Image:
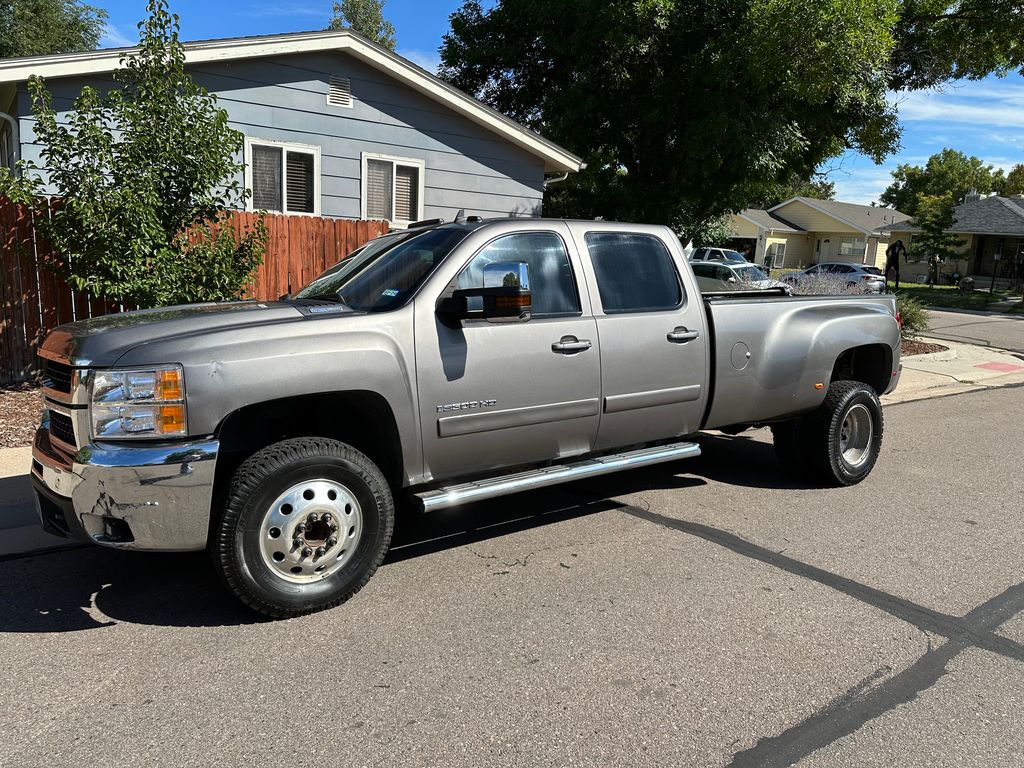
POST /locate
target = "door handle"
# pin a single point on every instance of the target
(681, 335)
(569, 344)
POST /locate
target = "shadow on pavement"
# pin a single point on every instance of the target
(88, 588)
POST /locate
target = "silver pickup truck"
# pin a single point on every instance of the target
(443, 364)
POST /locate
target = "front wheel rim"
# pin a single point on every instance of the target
(855, 436)
(311, 531)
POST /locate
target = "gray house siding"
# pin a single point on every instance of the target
(284, 98)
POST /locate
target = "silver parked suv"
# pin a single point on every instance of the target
(867, 278)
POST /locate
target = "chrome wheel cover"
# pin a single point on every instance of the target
(310, 531)
(855, 436)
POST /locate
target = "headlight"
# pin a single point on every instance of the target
(142, 403)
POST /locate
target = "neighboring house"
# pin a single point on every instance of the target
(803, 231)
(991, 230)
(334, 125)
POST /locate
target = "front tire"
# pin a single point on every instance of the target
(306, 524)
(842, 439)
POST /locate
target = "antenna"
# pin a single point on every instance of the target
(460, 216)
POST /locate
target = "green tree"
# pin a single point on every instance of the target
(145, 175)
(948, 172)
(677, 118)
(942, 40)
(39, 27)
(365, 17)
(815, 186)
(935, 216)
(1014, 180)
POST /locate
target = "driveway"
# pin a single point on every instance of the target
(704, 613)
(987, 330)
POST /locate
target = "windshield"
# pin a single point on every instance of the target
(383, 278)
(872, 270)
(751, 274)
(733, 255)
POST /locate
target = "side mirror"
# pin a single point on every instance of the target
(505, 294)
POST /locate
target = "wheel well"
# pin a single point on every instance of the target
(362, 419)
(870, 364)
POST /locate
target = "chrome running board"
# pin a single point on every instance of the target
(488, 488)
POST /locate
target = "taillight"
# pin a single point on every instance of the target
(899, 320)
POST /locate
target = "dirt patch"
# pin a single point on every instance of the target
(21, 406)
(913, 347)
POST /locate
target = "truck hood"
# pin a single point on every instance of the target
(102, 340)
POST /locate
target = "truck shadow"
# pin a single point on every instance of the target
(83, 588)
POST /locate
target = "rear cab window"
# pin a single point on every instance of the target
(634, 271)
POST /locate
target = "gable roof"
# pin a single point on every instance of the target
(869, 219)
(556, 159)
(992, 215)
(767, 220)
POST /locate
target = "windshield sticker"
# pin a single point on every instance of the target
(390, 292)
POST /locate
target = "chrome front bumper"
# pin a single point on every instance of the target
(155, 496)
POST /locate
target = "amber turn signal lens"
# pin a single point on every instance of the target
(508, 302)
(172, 419)
(169, 385)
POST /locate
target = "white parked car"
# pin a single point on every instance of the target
(731, 276)
(867, 278)
(718, 254)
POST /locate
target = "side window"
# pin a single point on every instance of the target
(551, 280)
(700, 254)
(634, 272)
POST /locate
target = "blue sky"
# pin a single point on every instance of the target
(984, 118)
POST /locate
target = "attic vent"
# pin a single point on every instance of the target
(340, 93)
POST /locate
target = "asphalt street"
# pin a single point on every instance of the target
(705, 613)
(987, 330)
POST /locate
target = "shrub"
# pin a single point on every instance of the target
(145, 173)
(912, 314)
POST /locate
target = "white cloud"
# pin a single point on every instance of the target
(429, 60)
(114, 38)
(861, 185)
(288, 9)
(975, 104)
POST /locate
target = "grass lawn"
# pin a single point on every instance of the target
(948, 296)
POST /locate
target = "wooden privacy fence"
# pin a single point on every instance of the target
(35, 301)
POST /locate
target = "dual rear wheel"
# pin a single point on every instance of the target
(837, 444)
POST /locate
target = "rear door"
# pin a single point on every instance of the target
(652, 332)
(498, 393)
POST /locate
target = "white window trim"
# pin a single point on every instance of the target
(395, 160)
(287, 146)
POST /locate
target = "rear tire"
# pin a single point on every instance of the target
(306, 524)
(841, 440)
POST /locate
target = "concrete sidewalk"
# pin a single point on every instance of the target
(961, 368)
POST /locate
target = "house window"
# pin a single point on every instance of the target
(392, 189)
(284, 178)
(852, 247)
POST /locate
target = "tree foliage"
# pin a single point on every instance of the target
(942, 40)
(948, 172)
(1014, 180)
(677, 117)
(365, 17)
(145, 174)
(39, 27)
(815, 186)
(935, 215)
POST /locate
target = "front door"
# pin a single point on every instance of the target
(654, 345)
(499, 393)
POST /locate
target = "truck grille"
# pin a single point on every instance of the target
(57, 376)
(62, 428)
